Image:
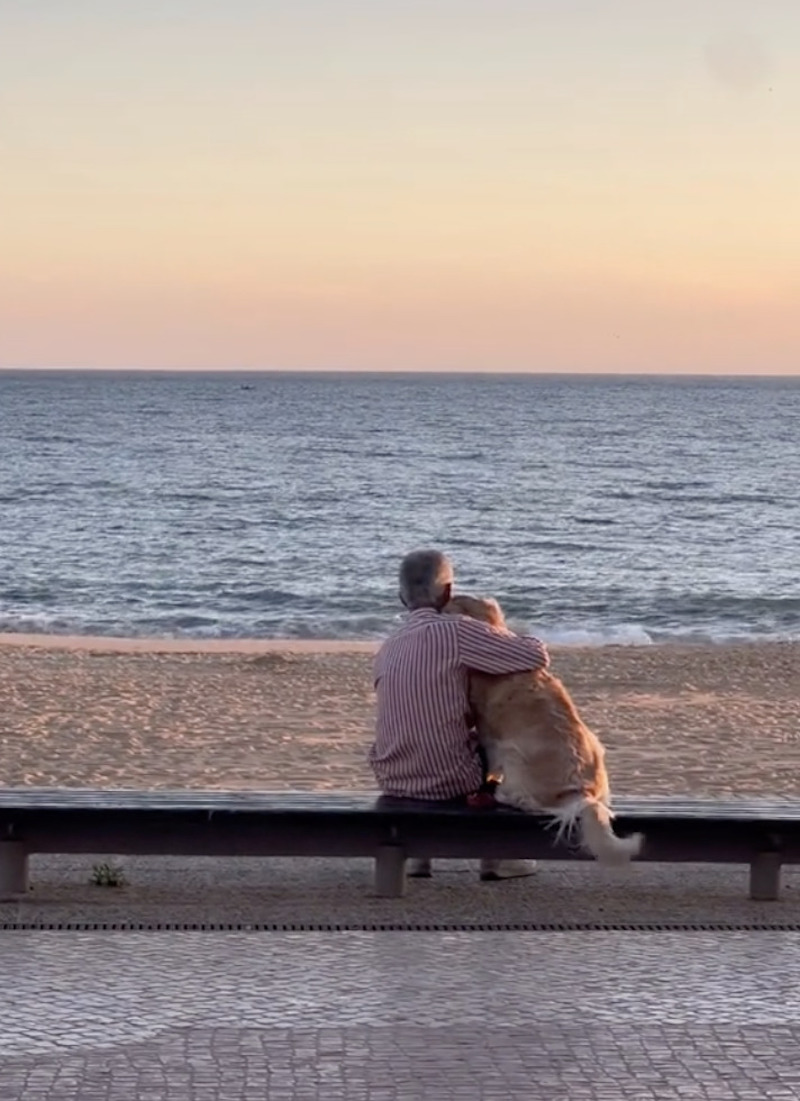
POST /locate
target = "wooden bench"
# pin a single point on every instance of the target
(761, 833)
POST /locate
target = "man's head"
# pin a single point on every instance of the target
(426, 580)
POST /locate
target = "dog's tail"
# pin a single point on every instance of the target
(593, 819)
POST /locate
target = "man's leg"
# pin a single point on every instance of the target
(492, 870)
(422, 868)
(419, 869)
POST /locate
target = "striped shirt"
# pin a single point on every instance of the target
(424, 746)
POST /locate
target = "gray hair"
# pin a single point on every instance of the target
(424, 576)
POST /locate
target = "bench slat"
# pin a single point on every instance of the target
(632, 808)
(764, 833)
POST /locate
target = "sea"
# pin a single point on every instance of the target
(596, 509)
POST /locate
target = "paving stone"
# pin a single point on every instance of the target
(399, 1017)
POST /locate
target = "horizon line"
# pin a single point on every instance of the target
(395, 372)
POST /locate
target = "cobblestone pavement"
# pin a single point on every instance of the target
(610, 1016)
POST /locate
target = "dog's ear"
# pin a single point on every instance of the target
(453, 606)
(494, 612)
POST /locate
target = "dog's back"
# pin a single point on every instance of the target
(549, 758)
(534, 713)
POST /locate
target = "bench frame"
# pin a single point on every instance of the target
(763, 834)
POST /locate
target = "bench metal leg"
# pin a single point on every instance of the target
(765, 876)
(13, 869)
(390, 872)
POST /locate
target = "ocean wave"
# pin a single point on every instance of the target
(37, 623)
(677, 484)
(49, 438)
(624, 634)
(684, 610)
(368, 628)
(603, 521)
(183, 495)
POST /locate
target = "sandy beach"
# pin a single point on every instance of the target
(273, 715)
(710, 720)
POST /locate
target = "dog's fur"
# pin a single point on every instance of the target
(550, 761)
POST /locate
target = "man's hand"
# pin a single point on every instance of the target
(481, 800)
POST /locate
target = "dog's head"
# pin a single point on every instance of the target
(476, 607)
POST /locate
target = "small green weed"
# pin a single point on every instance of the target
(107, 875)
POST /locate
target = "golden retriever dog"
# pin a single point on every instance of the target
(550, 761)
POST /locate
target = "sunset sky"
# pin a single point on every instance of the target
(541, 185)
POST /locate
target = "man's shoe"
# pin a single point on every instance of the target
(492, 870)
(419, 869)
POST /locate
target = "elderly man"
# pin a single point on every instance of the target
(425, 747)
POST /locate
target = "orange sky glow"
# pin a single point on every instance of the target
(498, 185)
